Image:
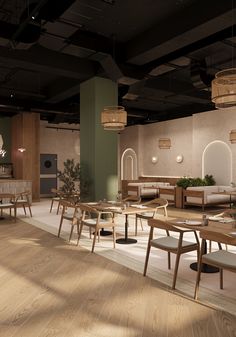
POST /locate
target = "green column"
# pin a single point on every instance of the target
(98, 148)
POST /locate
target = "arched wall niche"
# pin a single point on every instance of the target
(217, 160)
(129, 166)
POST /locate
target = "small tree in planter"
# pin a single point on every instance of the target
(69, 176)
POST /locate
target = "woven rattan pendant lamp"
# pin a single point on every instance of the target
(223, 89)
(114, 118)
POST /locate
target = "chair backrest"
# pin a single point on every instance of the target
(56, 192)
(88, 210)
(158, 202)
(156, 223)
(68, 205)
(22, 195)
(7, 197)
(218, 237)
(132, 198)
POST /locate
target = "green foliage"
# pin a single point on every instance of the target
(209, 180)
(190, 182)
(69, 176)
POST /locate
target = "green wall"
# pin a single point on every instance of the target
(5, 131)
(98, 148)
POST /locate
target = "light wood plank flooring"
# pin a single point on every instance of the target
(49, 288)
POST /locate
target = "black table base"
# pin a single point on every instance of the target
(105, 233)
(205, 268)
(125, 241)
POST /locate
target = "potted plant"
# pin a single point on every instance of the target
(70, 176)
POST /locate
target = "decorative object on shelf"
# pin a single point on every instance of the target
(232, 136)
(179, 158)
(114, 118)
(223, 88)
(154, 159)
(2, 151)
(164, 143)
(21, 149)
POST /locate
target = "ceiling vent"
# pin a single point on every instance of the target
(199, 76)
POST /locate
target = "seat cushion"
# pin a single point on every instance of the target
(221, 258)
(6, 205)
(168, 242)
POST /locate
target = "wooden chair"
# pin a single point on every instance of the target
(58, 197)
(131, 199)
(220, 258)
(93, 219)
(170, 244)
(7, 201)
(158, 204)
(23, 200)
(70, 212)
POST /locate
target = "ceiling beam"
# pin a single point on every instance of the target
(44, 60)
(179, 31)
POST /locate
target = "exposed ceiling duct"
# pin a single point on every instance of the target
(158, 68)
(200, 78)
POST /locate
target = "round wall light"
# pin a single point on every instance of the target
(154, 159)
(179, 158)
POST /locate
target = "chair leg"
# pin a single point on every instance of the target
(176, 270)
(51, 206)
(30, 210)
(136, 225)
(147, 258)
(58, 207)
(210, 246)
(71, 231)
(141, 223)
(221, 278)
(79, 233)
(15, 214)
(169, 261)
(114, 237)
(94, 238)
(59, 230)
(199, 269)
(24, 209)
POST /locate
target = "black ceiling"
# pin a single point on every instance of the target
(162, 54)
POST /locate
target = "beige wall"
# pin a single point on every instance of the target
(189, 137)
(64, 143)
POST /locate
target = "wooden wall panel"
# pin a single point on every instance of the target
(26, 165)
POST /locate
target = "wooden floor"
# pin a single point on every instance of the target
(49, 288)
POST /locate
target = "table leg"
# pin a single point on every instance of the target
(126, 240)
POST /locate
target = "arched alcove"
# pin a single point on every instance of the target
(217, 160)
(129, 167)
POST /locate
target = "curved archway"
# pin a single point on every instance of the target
(129, 166)
(217, 160)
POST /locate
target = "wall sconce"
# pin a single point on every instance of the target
(21, 149)
(179, 158)
(154, 159)
(164, 143)
(232, 136)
